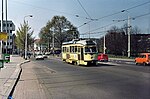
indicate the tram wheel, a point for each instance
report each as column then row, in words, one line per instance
column 77, row 63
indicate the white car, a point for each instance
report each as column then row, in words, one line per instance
column 39, row 56
column 44, row 55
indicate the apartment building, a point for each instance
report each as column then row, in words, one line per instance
column 140, row 42
column 10, row 28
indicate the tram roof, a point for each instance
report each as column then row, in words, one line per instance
column 83, row 42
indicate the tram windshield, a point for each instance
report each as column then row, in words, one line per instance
column 90, row 50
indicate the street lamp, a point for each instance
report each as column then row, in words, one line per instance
column 26, row 37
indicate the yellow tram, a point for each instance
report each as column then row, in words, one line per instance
column 80, row 52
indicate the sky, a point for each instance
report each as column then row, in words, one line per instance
column 103, row 12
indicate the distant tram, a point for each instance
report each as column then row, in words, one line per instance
column 80, row 52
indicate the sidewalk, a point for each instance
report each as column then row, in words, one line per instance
column 9, row 75
column 28, row 86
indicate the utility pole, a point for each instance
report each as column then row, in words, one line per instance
column 26, row 40
column 89, row 30
column 49, row 38
column 1, row 42
column 104, row 45
column 129, row 36
column 53, row 41
column 104, row 41
column 2, row 17
column 6, row 26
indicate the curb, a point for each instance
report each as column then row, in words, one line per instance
column 12, row 82
column 117, row 59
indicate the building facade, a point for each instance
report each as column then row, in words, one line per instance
column 117, row 44
column 38, row 46
column 9, row 28
column 140, row 43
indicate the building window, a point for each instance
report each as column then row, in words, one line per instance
column 4, row 43
column 10, row 25
column 4, row 24
column 10, row 37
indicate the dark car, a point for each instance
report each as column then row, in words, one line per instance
column 57, row 52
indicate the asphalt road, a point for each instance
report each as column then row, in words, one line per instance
column 105, row 81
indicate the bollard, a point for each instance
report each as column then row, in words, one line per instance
column 1, row 63
column 10, row 97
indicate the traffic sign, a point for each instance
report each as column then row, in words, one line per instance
column 3, row 36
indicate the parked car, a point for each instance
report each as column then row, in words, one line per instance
column 44, row 55
column 57, row 52
column 102, row 57
column 47, row 53
column 39, row 56
column 144, row 58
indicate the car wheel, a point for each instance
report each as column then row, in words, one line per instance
column 144, row 64
column 136, row 63
column 77, row 63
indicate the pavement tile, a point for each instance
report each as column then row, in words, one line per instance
column 8, row 75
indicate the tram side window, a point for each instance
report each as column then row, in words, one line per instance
column 64, row 49
column 75, row 48
column 70, row 48
column 78, row 49
column 67, row 49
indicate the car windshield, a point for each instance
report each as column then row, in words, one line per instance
column 90, row 50
column 142, row 56
column 148, row 56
